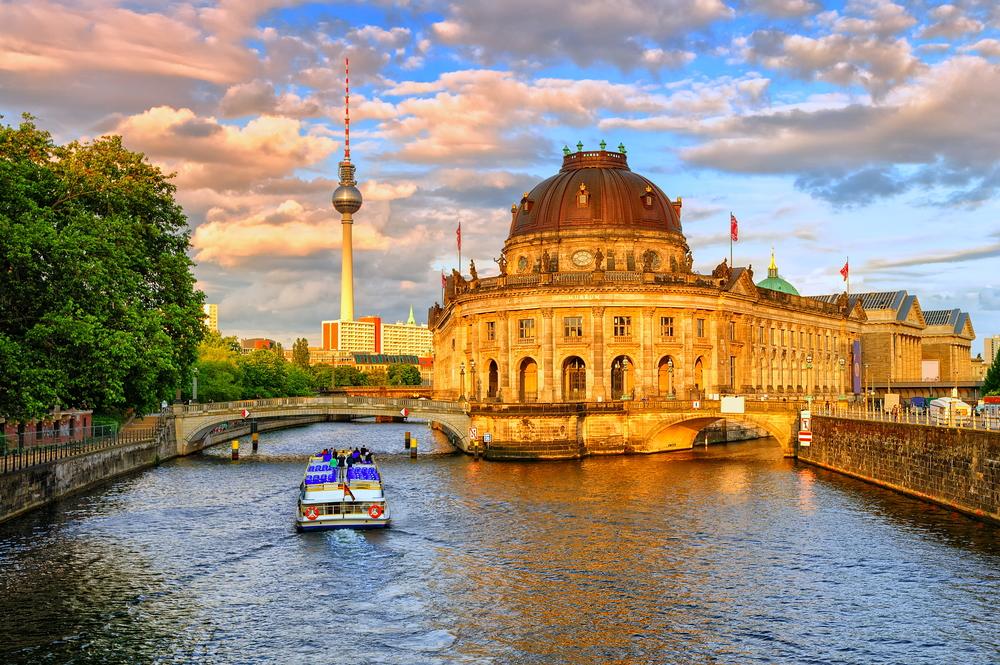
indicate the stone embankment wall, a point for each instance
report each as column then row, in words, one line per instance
column 35, row 486
column 958, row 468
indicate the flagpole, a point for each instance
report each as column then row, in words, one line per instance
column 848, row 276
column 460, row 248
column 731, row 264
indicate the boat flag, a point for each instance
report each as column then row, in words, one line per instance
column 347, row 490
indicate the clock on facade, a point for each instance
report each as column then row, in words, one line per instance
column 582, row 258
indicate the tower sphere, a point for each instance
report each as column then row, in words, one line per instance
column 347, row 199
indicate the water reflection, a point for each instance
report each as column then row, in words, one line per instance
column 730, row 554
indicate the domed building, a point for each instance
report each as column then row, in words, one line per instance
column 596, row 300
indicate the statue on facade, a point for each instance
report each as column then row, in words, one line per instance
column 502, row 264
column 750, row 271
column 458, row 281
column 647, row 261
column 546, row 261
column 673, row 263
column 598, row 259
column 688, row 261
column 722, row 270
column 473, row 271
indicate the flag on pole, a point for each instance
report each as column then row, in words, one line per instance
column 844, row 272
column 444, row 282
column 458, row 236
column 734, row 228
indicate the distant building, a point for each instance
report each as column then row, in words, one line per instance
column 990, row 347
column 256, row 343
column 211, row 316
column 369, row 335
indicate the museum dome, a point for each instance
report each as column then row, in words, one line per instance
column 774, row 282
column 595, row 190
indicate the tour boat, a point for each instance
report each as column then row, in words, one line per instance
column 347, row 497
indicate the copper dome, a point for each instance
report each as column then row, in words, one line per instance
column 595, row 190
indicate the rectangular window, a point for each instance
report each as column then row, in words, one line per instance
column 732, row 372
column 772, row 336
column 526, row 329
column 802, row 339
column 611, row 260
column 732, row 331
column 811, row 341
column 666, row 326
column 623, row 326
column 573, row 326
column 700, row 327
column 763, row 339
column 491, row 331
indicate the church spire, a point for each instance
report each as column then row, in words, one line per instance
column 410, row 321
column 772, row 269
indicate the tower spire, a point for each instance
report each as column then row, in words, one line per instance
column 347, row 201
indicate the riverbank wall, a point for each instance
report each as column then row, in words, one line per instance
column 35, row 486
column 957, row 468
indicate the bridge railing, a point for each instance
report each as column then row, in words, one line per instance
column 255, row 405
column 915, row 416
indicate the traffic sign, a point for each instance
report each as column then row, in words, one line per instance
column 487, row 438
column 696, row 404
column 404, row 412
column 805, row 438
column 473, row 433
column 246, row 413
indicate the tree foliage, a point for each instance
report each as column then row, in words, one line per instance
column 404, row 375
column 300, row 353
column 991, row 383
column 97, row 301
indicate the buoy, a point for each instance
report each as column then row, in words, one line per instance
column 312, row 513
column 375, row 511
column 236, row 449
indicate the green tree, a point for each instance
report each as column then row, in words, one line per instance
column 404, row 375
column 298, row 382
column 376, row 377
column 991, row 383
column 300, row 352
column 347, row 375
column 264, row 374
column 322, row 377
column 97, row 300
column 219, row 381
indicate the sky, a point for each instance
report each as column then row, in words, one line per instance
column 865, row 129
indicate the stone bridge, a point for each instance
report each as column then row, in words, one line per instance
column 518, row 431
column 197, row 426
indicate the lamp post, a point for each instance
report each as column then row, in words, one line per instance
column 194, row 384
column 461, row 371
column 809, row 367
column 867, row 387
column 840, row 378
column 670, row 377
column 475, row 380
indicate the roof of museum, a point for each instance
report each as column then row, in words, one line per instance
column 595, row 190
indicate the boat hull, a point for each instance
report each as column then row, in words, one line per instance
column 316, row 525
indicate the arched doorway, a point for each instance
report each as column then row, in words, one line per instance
column 699, row 376
column 493, row 382
column 665, row 376
column 574, row 379
column 622, row 377
column 528, row 380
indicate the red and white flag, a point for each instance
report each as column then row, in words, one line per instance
column 845, row 271
column 444, row 282
column 458, row 236
column 734, row 228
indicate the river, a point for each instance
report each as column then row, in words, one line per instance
column 729, row 554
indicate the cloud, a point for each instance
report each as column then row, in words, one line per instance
column 487, row 116
column 870, row 18
column 207, row 153
column 627, row 34
column 951, row 22
column 832, row 150
column 958, row 256
column 784, row 8
column 989, row 48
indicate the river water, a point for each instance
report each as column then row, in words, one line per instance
column 725, row 555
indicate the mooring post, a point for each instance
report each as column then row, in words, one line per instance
column 236, row 449
column 254, row 436
column 406, row 440
column 413, row 449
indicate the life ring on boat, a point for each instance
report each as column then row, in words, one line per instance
column 312, row 513
column 375, row 512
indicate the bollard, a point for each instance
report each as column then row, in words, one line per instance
column 254, row 438
column 236, row 449
column 406, row 440
column 413, row 448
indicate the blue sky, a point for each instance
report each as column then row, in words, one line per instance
column 864, row 128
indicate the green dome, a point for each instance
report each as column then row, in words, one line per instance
column 774, row 282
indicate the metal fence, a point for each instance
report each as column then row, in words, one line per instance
column 14, row 458
column 915, row 416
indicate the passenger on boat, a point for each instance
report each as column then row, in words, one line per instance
column 350, row 460
column 356, row 455
column 368, row 457
column 364, row 451
column 340, row 460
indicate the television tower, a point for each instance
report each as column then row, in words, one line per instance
column 347, row 201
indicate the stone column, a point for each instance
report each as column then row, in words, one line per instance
column 546, row 372
column 503, row 358
column 647, row 370
column 600, row 388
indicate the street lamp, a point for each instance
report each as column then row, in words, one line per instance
column 670, row 377
column 840, row 378
column 475, row 380
column 809, row 381
column 194, row 384
column 867, row 386
column 461, row 371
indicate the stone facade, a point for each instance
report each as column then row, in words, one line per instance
column 957, row 468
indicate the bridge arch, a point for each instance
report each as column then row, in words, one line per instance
column 679, row 431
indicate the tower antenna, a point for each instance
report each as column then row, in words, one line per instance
column 347, row 109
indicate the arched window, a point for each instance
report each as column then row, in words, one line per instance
column 528, row 380
column 622, row 377
column 665, row 377
column 574, row 379
column 493, row 380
